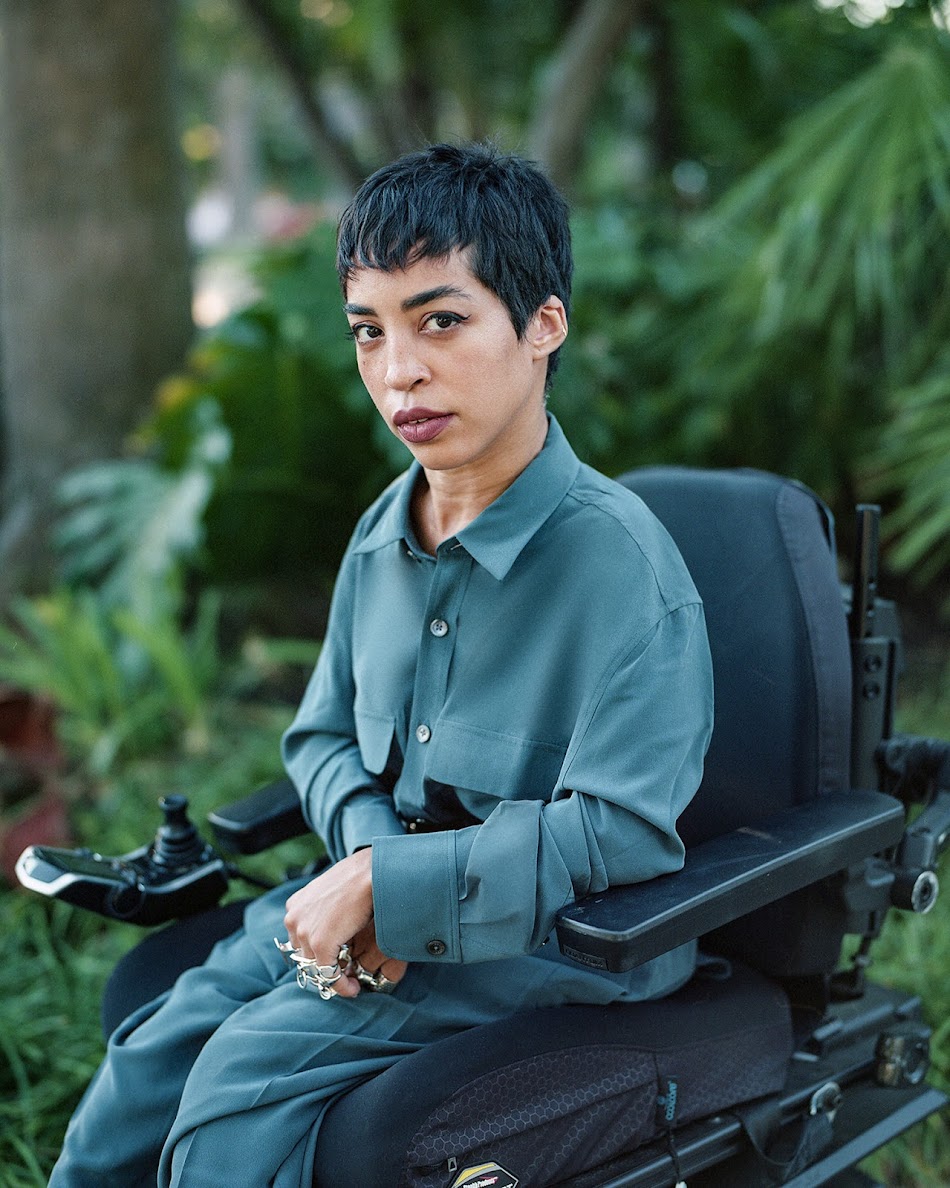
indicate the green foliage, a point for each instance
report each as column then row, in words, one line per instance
column 57, row 959
column 417, row 79
column 108, row 647
column 307, row 455
column 130, row 527
column 742, row 71
column 800, row 324
column 847, row 216
column 827, row 314
column 913, row 459
column 123, row 685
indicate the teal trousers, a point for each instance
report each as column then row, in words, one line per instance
column 224, row 1079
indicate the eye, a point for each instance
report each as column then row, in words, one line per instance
column 364, row 332
column 439, row 322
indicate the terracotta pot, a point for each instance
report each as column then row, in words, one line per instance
column 33, row 809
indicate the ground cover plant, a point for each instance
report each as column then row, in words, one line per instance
column 56, row 959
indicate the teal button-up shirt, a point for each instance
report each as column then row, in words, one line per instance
column 547, row 671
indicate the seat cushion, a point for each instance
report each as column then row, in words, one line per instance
column 548, row 1094
column 760, row 551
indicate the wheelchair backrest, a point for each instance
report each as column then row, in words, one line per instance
column 761, row 552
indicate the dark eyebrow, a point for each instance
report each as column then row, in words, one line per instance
column 434, row 295
column 413, row 302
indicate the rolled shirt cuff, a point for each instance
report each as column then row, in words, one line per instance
column 415, row 896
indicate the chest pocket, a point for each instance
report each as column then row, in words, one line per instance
column 374, row 734
column 501, row 765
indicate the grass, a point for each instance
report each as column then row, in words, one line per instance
column 56, row 960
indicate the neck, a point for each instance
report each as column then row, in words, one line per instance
column 449, row 500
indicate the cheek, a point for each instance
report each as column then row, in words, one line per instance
column 369, row 374
column 367, row 370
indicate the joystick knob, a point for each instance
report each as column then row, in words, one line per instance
column 177, row 841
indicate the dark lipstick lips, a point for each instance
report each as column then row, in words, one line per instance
column 404, row 415
column 418, row 425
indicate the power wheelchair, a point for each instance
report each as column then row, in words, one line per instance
column 773, row 1065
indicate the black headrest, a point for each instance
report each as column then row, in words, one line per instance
column 761, row 552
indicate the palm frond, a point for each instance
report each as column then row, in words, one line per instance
column 129, row 526
column 852, row 213
column 913, row 461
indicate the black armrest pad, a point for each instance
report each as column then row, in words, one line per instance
column 270, row 815
column 727, row 877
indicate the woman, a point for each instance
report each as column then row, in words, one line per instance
column 510, row 710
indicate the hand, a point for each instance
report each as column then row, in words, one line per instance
column 331, row 911
column 365, row 950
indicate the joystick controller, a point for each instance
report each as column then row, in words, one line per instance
column 176, row 875
column 177, row 841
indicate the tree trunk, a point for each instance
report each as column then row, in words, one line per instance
column 332, row 148
column 575, row 78
column 94, row 267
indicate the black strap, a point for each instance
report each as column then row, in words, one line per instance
column 675, row 1158
column 760, row 1122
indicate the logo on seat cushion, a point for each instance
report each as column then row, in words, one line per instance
column 486, row 1175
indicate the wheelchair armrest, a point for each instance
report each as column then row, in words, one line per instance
column 270, row 815
column 727, row 877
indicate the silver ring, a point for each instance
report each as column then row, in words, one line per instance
column 308, row 979
column 312, row 975
column 376, row 982
column 294, row 957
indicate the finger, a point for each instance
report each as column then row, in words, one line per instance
column 368, row 954
column 321, row 953
column 314, row 947
column 347, row 987
column 317, row 952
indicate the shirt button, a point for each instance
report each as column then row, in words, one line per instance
column 423, row 733
column 436, row 948
column 439, row 627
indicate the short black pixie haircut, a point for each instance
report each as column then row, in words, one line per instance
column 446, row 197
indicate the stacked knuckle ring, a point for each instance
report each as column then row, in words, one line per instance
column 312, row 975
column 322, row 978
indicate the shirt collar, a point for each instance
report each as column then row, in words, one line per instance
column 497, row 536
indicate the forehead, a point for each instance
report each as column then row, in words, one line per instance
column 372, row 288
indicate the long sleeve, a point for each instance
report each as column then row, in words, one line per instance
column 341, row 800
column 634, row 762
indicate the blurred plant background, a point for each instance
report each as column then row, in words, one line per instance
column 761, row 211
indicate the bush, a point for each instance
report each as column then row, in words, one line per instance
column 123, row 685
column 307, row 454
column 800, row 324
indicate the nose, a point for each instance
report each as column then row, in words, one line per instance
column 404, row 367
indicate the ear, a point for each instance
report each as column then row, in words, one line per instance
column 548, row 328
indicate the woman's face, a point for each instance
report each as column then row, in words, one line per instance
column 440, row 358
